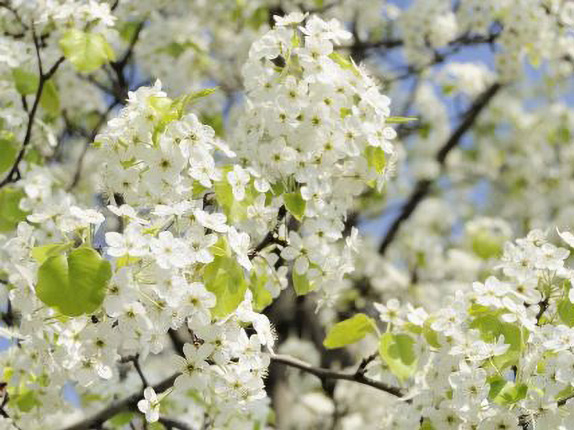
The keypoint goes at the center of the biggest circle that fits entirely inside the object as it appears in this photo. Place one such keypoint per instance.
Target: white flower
(131, 243)
(193, 367)
(292, 18)
(214, 221)
(239, 243)
(566, 236)
(169, 251)
(391, 312)
(149, 405)
(87, 216)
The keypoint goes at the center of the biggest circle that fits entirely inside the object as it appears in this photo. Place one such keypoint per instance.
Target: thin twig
(322, 373)
(14, 173)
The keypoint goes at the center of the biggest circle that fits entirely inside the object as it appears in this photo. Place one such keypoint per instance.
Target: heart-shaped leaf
(75, 284)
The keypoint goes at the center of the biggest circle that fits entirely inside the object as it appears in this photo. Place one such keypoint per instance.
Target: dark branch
(171, 423)
(321, 373)
(423, 186)
(127, 403)
(14, 173)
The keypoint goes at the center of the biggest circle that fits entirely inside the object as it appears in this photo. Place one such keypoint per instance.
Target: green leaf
(42, 253)
(224, 277)
(122, 419)
(349, 331)
(215, 121)
(26, 400)
(86, 51)
(430, 335)
(486, 245)
(566, 311)
(261, 295)
(26, 82)
(8, 151)
(234, 210)
(400, 119)
(259, 17)
(75, 284)
(301, 283)
(181, 103)
(491, 328)
(10, 212)
(505, 392)
(376, 158)
(345, 63)
(128, 29)
(397, 350)
(295, 204)
(50, 99)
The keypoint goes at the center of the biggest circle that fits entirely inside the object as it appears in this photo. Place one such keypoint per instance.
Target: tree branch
(14, 173)
(423, 186)
(171, 423)
(129, 402)
(322, 373)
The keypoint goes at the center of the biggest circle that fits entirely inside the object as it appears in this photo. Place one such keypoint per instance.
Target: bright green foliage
(261, 296)
(376, 158)
(26, 82)
(121, 420)
(74, 284)
(8, 151)
(430, 335)
(10, 212)
(234, 210)
(42, 253)
(26, 400)
(486, 245)
(400, 119)
(50, 99)
(505, 392)
(349, 331)
(301, 283)
(295, 204)
(181, 103)
(398, 351)
(491, 328)
(86, 51)
(128, 29)
(224, 277)
(566, 311)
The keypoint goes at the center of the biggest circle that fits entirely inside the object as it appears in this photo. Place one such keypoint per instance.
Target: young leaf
(295, 204)
(400, 119)
(491, 328)
(566, 311)
(224, 277)
(50, 99)
(376, 158)
(181, 103)
(301, 283)
(349, 331)
(261, 296)
(398, 351)
(75, 284)
(86, 51)
(8, 151)
(26, 82)
(42, 253)
(10, 212)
